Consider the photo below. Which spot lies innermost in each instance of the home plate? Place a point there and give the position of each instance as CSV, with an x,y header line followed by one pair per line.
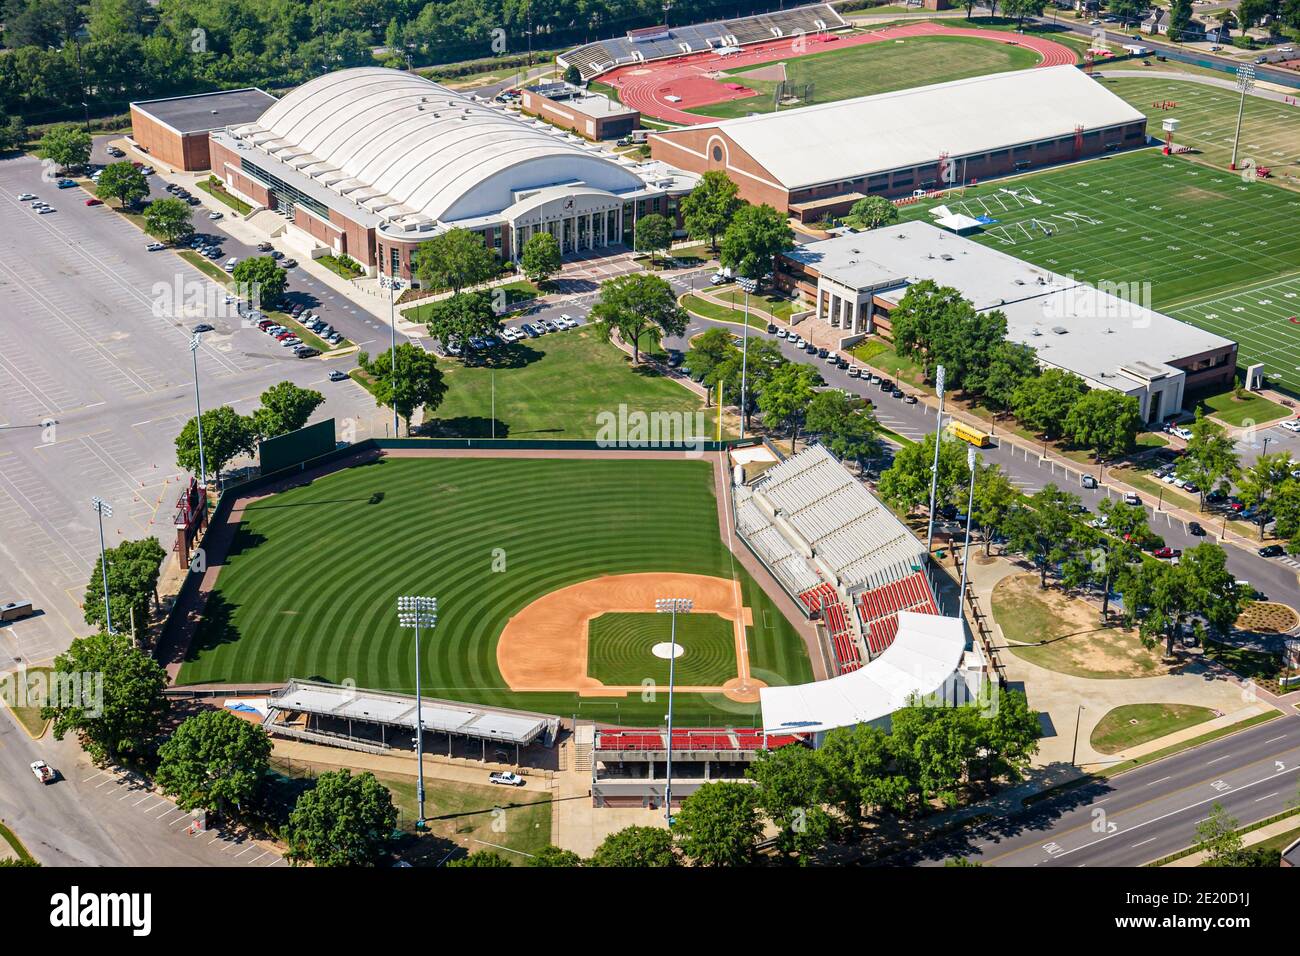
x,y
666,650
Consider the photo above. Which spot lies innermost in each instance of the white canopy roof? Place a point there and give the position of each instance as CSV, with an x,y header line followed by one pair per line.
x,y
921,661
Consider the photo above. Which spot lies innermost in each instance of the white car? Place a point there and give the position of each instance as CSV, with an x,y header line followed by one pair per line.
x,y
215,215
44,772
45,210
566,321
1184,433
26,197
154,247
506,778
1293,425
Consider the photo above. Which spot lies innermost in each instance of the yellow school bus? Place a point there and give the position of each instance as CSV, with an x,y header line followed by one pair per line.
x,y
968,433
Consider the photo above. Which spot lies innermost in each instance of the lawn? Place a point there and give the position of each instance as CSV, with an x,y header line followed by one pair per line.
x,y
1198,243
32,697
1245,662
440,526
556,386
516,294
1076,644
1253,409
619,649
1133,724
217,191
880,355
721,313
876,68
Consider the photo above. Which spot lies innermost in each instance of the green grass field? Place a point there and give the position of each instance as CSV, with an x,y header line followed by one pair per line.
x,y
1132,724
619,649
877,68
309,587
1270,131
555,387
1197,235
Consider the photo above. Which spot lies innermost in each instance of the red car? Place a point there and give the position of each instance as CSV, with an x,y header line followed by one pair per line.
x,y
94,202
1166,552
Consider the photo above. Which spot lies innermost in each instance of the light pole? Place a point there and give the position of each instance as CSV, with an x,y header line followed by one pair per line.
x,y
102,509
1245,82
392,352
970,507
934,472
749,285
195,342
417,612
673,606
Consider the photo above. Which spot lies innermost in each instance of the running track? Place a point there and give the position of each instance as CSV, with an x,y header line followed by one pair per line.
x,y
644,86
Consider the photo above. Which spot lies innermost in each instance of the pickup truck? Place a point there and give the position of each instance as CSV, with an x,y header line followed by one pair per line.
x,y
506,778
44,772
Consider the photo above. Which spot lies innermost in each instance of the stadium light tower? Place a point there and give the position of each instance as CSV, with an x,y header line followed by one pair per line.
x,y
418,612
195,341
749,285
934,472
1245,82
970,507
103,509
392,324
673,606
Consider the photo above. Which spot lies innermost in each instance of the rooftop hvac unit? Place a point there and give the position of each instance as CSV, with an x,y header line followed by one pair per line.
x,y
1060,330
946,257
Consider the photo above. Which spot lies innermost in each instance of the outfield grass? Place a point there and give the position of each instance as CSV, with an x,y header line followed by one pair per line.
x,y
309,585
619,649
876,68
1132,724
555,387
1200,244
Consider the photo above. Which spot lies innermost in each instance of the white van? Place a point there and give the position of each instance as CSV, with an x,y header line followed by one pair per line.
x,y
231,263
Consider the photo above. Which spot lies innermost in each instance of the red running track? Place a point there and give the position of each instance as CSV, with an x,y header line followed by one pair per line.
x,y
646,86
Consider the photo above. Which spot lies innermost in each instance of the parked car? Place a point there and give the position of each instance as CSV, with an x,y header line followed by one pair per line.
x,y
306,351
114,151
854,371
1195,530
147,170
202,327
1166,552
1271,551
809,348
1088,481
909,399
216,214
886,385
26,197
44,772
338,376
506,778
288,263
771,328
193,200
66,183
92,201
1293,425
277,255
264,246
1131,498
154,247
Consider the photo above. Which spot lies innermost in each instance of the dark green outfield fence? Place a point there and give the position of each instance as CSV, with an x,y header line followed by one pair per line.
x,y
305,444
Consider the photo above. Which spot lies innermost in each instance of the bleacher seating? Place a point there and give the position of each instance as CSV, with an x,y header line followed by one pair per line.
x,y
692,739
592,59
878,608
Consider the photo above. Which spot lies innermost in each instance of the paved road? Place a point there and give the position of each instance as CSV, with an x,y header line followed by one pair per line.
x,y
1142,815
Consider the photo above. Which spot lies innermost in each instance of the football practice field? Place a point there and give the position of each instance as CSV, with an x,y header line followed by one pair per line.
x,y
1184,235
310,586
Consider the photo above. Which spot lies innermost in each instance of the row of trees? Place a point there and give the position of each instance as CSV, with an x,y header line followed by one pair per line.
x,y
934,325
283,408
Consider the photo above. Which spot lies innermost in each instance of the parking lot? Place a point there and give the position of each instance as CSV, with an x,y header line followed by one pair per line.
x,y
95,383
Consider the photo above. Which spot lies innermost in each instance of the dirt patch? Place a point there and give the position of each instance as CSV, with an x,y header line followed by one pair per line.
x,y
1268,617
544,646
1062,633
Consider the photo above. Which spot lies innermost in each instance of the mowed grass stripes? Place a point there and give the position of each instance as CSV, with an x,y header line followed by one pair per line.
x,y
309,589
620,649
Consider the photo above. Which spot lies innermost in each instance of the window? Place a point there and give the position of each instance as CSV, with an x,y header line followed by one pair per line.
x,y
717,154
286,196
394,262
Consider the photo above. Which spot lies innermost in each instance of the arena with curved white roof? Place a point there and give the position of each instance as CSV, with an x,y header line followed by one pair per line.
x,y
371,162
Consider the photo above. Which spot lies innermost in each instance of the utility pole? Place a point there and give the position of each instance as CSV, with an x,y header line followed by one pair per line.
x,y
749,285
392,352
102,509
934,471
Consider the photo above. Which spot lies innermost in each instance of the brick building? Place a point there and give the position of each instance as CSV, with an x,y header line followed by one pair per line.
x,y
591,115
175,129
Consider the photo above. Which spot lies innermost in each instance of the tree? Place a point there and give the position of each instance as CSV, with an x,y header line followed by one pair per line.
x,y
1210,589
1044,401
995,496
1218,839
226,435
554,856
906,483
169,220
756,236
488,858
765,359
133,570
1105,421
461,316
1023,8
1009,364
214,760
936,326
573,76
636,846
653,233
540,258
1129,11
1252,12
1010,737
860,773
707,210
1286,512
1211,458
635,304
708,352
13,133
934,746
846,426
285,407
263,279
1180,18
129,711
1044,532
66,145
454,260
791,790
718,825
123,182
1120,545
344,820
1260,482
872,212
786,394
418,383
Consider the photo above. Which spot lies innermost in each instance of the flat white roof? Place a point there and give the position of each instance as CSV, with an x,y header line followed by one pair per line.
x,y
921,662
1072,325
829,142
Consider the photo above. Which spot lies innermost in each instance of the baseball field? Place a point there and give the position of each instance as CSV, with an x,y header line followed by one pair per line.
x,y
523,554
